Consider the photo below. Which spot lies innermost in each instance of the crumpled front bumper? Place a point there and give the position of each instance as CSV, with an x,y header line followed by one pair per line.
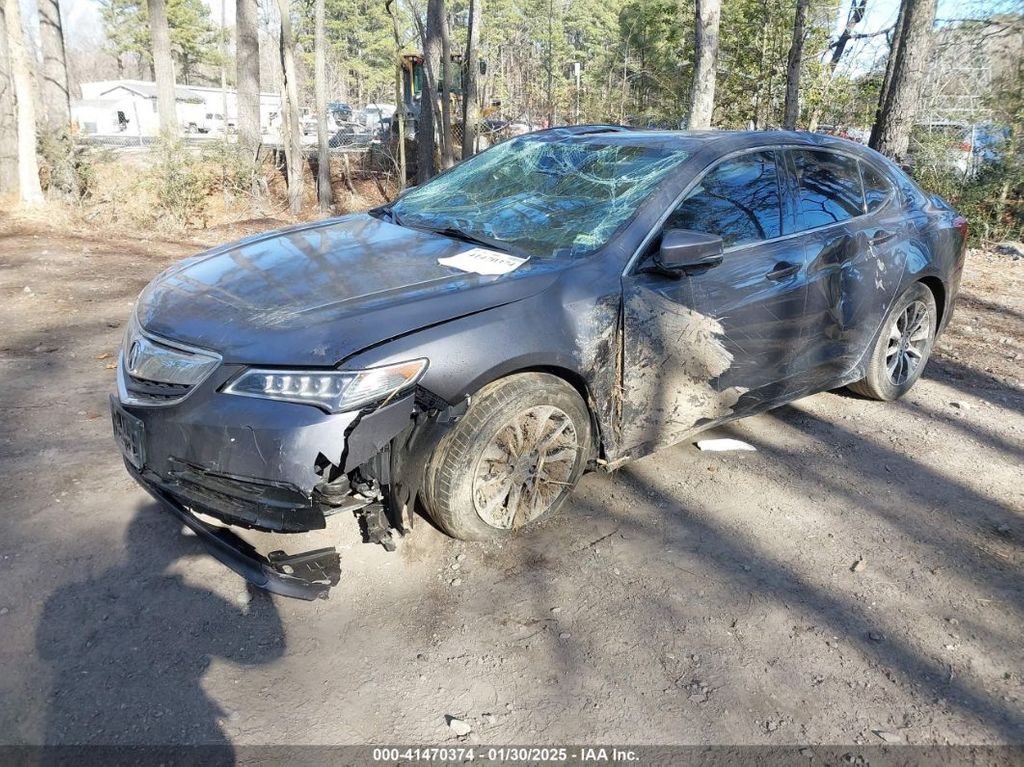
x,y
309,575
255,464
252,462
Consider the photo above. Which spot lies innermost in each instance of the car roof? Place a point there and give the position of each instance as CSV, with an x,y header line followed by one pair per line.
x,y
717,141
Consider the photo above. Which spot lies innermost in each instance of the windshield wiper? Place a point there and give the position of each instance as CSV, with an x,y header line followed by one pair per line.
x,y
449,231
387,210
476,239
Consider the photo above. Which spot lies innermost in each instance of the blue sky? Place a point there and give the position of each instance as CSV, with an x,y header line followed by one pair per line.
x,y
882,14
82,24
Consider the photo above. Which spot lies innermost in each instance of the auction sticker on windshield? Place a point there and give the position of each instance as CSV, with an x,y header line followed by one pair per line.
x,y
483,261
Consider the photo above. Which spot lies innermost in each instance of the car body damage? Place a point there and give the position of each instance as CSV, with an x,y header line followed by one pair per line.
x,y
674,361
366,464
357,347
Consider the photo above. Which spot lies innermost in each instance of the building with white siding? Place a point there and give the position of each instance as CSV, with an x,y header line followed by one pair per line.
x,y
129,108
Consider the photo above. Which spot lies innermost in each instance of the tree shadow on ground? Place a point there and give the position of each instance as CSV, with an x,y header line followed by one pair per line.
x,y
937,519
934,510
128,668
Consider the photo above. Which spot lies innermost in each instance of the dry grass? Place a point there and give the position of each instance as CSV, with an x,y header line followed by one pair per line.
x,y
126,200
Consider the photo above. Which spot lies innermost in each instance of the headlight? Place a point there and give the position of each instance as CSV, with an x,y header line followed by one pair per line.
x,y
332,390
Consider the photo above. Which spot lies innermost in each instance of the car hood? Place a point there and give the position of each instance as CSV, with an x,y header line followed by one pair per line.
x,y
315,294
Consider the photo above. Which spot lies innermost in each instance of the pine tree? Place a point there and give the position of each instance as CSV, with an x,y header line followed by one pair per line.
x,y
193,37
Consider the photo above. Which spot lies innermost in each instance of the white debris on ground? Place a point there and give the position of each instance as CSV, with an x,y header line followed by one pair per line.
x,y
723,445
458,726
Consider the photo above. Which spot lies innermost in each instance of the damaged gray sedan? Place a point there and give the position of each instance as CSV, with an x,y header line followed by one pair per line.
x,y
565,301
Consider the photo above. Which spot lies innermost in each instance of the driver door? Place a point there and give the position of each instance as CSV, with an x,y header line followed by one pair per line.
x,y
720,341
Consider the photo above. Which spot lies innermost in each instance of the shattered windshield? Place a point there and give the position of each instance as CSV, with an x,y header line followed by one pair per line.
x,y
541,197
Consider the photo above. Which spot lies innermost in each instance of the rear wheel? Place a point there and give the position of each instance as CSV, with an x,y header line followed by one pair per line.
x,y
512,459
903,346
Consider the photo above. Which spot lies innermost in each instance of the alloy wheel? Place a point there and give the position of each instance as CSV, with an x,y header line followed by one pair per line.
x,y
909,337
525,467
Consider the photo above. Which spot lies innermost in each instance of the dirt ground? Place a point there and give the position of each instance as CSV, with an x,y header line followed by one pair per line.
x,y
689,598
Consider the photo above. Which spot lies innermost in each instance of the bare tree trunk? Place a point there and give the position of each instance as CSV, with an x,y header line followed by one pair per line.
x,y
399,94
890,67
291,128
625,85
8,117
21,76
224,66
440,27
425,141
791,111
470,107
323,182
549,63
56,99
760,81
705,65
892,130
853,18
163,67
247,75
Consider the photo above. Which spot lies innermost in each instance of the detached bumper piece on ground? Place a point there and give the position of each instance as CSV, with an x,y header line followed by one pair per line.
x,y
307,575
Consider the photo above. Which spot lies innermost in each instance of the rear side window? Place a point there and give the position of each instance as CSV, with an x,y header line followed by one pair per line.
x,y
738,201
828,188
876,187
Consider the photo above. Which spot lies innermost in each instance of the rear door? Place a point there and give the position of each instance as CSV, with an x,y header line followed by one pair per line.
x,y
854,226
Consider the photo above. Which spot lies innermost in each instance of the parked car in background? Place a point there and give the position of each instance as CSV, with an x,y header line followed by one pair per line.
x,y
951,147
565,301
308,123
373,116
211,122
340,111
350,136
851,133
493,124
521,127
989,142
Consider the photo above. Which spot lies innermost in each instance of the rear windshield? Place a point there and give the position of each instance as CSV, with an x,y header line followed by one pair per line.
x,y
543,196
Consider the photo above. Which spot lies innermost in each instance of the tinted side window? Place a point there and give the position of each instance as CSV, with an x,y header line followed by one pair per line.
x,y
876,187
828,188
738,201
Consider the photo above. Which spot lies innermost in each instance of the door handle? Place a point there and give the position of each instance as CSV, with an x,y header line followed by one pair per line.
x,y
881,236
782,270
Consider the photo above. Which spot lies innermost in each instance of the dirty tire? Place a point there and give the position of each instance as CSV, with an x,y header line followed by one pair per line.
x,y
511,460
903,346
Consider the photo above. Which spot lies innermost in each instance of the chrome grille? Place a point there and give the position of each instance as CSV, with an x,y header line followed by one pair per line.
x,y
157,392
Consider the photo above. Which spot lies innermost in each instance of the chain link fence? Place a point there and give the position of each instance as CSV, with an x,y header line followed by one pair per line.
x,y
340,142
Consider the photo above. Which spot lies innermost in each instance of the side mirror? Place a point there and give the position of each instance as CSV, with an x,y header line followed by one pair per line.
x,y
682,249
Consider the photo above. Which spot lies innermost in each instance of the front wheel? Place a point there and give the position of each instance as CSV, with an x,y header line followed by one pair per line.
x,y
903,346
512,459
